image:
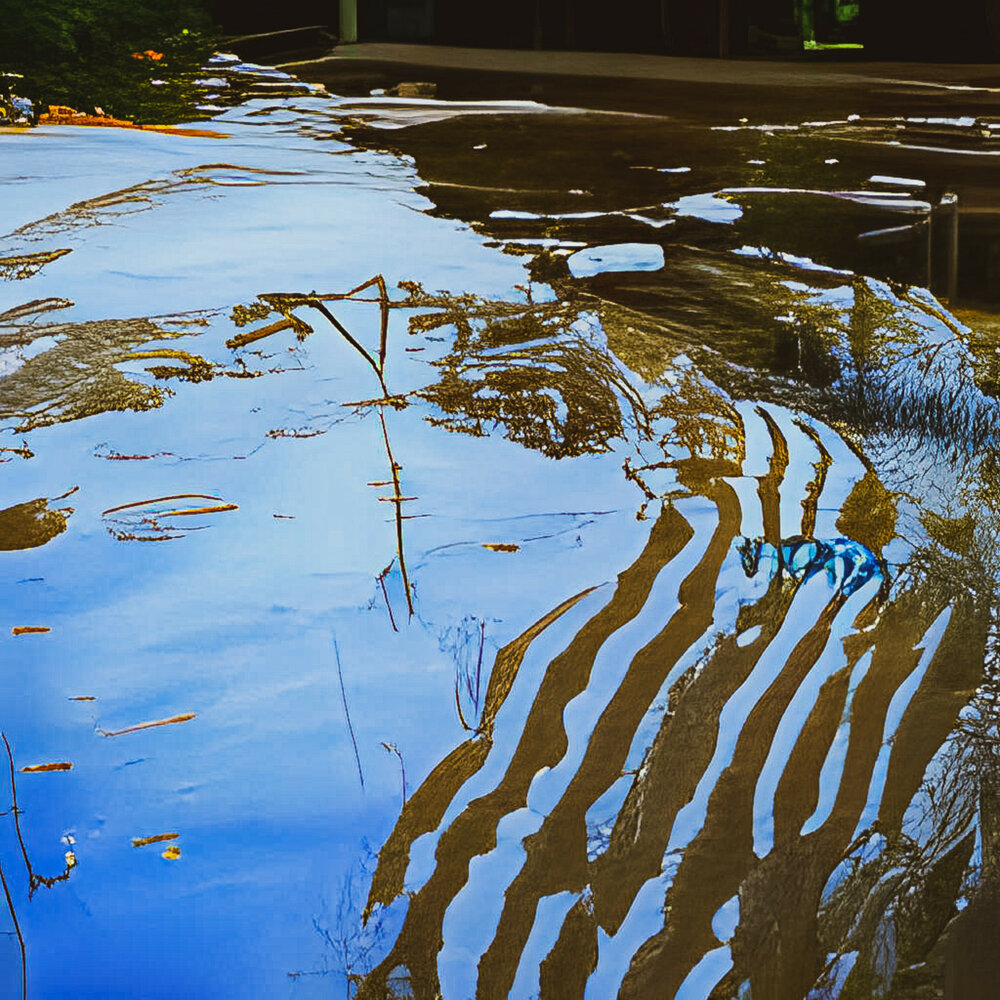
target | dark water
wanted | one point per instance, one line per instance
(601, 601)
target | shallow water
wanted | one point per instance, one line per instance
(562, 621)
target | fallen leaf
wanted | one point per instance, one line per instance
(35, 768)
(501, 547)
(172, 853)
(29, 629)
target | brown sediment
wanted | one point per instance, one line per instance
(769, 913)
(149, 725)
(952, 675)
(680, 752)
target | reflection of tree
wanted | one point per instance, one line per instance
(539, 370)
(894, 883)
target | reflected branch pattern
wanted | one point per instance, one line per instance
(285, 305)
(763, 797)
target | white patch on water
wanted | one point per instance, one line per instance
(616, 257)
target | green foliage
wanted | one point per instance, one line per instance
(79, 52)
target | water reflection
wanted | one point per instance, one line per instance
(743, 744)
(758, 749)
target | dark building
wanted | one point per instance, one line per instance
(885, 29)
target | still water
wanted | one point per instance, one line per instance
(496, 550)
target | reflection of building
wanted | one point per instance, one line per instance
(895, 29)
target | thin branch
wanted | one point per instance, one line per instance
(20, 937)
(347, 712)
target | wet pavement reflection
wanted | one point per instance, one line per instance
(580, 571)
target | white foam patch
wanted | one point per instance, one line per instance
(616, 257)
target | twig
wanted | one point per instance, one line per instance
(138, 727)
(347, 712)
(34, 879)
(392, 748)
(397, 490)
(17, 816)
(20, 937)
(385, 594)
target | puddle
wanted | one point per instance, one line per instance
(568, 553)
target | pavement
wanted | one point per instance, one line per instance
(681, 86)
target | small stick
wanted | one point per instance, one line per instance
(17, 817)
(347, 713)
(392, 748)
(385, 594)
(143, 503)
(20, 937)
(149, 725)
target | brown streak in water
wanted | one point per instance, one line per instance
(29, 629)
(242, 339)
(676, 761)
(149, 725)
(768, 485)
(719, 858)
(385, 595)
(814, 488)
(426, 807)
(38, 768)
(157, 839)
(769, 913)
(200, 510)
(84, 697)
(564, 971)
(34, 880)
(543, 743)
(557, 854)
(144, 503)
(952, 675)
(501, 547)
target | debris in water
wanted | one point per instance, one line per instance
(149, 725)
(29, 629)
(159, 838)
(38, 768)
